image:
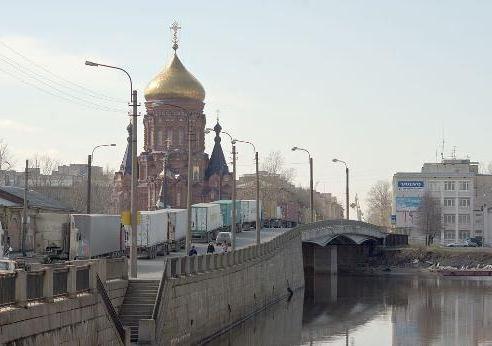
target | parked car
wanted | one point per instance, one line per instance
(224, 237)
(7, 266)
(478, 240)
(465, 243)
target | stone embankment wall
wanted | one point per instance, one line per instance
(203, 296)
(76, 319)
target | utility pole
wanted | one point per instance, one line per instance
(24, 211)
(89, 182)
(188, 191)
(133, 248)
(311, 187)
(258, 226)
(233, 229)
(347, 192)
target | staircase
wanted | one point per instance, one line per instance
(138, 304)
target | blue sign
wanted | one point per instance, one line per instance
(408, 203)
(411, 184)
(393, 219)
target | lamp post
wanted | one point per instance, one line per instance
(347, 214)
(310, 180)
(233, 197)
(90, 158)
(257, 191)
(133, 213)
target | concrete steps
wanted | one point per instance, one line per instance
(138, 304)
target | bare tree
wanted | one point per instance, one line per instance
(379, 204)
(6, 161)
(429, 217)
(42, 168)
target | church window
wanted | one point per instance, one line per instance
(178, 199)
(196, 173)
(170, 136)
(159, 138)
(181, 136)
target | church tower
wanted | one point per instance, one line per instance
(174, 102)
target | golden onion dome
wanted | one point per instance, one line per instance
(174, 82)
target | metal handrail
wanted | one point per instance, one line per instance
(155, 311)
(110, 308)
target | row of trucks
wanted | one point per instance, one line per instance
(158, 232)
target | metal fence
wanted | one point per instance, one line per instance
(35, 285)
(60, 280)
(82, 283)
(7, 289)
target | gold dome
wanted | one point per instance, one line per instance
(174, 82)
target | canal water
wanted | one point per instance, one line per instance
(356, 310)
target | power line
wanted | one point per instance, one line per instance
(81, 88)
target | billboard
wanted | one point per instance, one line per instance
(411, 184)
(408, 203)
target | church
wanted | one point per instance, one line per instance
(174, 104)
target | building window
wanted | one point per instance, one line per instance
(196, 173)
(464, 219)
(449, 202)
(449, 219)
(449, 185)
(170, 136)
(464, 202)
(181, 136)
(464, 185)
(464, 235)
(449, 235)
(159, 138)
(478, 232)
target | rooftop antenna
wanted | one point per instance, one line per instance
(442, 146)
(454, 153)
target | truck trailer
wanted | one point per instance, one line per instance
(95, 235)
(226, 214)
(248, 214)
(206, 221)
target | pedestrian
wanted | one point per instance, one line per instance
(224, 247)
(192, 251)
(211, 248)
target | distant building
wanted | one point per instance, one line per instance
(462, 192)
(47, 223)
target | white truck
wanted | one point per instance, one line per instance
(248, 214)
(95, 235)
(206, 221)
(159, 230)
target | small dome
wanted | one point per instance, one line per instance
(174, 82)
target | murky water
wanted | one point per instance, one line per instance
(375, 311)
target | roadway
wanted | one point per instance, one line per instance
(152, 268)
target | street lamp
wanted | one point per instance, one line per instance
(233, 226)
(89, 173)
(257, 191)
(310, 179)
(133, 212)
(346, 186)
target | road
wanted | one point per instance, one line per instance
(152, 269)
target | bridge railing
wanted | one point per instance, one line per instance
(46, 282)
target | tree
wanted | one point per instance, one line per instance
(429, 217)
(6, 161)
(379, 201)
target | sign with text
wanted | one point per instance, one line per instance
(411, 184)
(408, 203)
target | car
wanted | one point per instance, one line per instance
(457, 244)
(478, 240)
(224, 237)
(7, 266)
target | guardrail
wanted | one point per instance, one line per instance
(111, 310)
(46, 282)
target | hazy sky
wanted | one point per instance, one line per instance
(374, 83)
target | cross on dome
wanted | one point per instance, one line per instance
(175, 27)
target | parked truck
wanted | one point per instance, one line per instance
(248, 214)
(206, 221)
(95, 235)
(159, 231)
(226, 214)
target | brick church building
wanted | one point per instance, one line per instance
(172, 98)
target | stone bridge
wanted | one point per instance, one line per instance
(332, 245)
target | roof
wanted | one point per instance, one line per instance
(217, 163)
(12, 196)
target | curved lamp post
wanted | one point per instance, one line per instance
(310, 180)
(90, 158)
(347, 214)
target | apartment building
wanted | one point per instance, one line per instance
(463, 195)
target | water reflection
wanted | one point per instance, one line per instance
(375, 311)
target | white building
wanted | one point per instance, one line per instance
(463, 194)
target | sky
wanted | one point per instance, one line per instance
(378, 84)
